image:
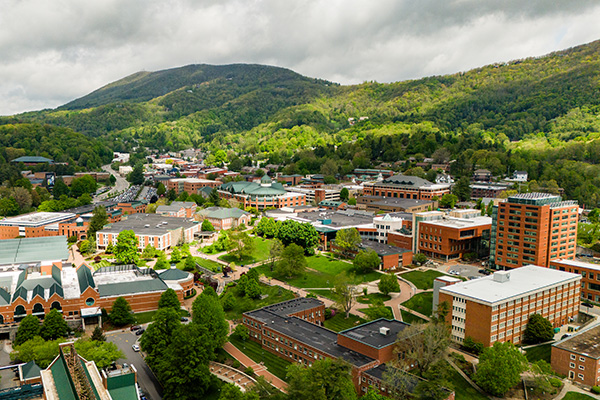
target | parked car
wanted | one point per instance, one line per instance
(135, 347)
(184, 319)
(135, 327)
(140, 331)
(588, 305)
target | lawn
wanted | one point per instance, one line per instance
(378, 312)
(577, 396)
(203, 262)
(421, 303)
(276, 365)
(462, 388)
(275, 294)
(339, 322)
(422, 279)
(322, 273)
(323, 292)
(260, 253)
(373, 297)
(410, 318)
(144, 317)
(539, 353)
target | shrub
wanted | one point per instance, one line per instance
(249, 371)
(596, 389)
(472, 346)
(327, 313)
(555, 382)
(236, 364)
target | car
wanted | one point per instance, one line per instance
(139, 331)
(566, 335)
(453, 272)
(135, 327)
(184, 319)
(135, 347)
(588, 305)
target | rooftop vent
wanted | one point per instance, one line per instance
(147, 226)
(384, 331)
(502, 276)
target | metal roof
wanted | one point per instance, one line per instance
(30, 250)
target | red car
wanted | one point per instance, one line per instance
(135, 327)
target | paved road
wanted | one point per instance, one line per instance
(120, 185)
(146, 378)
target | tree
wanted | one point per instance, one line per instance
(171, 195)
(232, 392)
(325, 379)
(420, 258)
(472, 346)
(149, 251)
(345, 292)
(98, 335)
(213, 197)
(347, 240)
(500, 368)
(54, 326)
(242, 244)
(175, 255)
(366, 261)
(448, 201)
(373, 394)
(120, 314)
(82, 185)
(594, 215)
(8, 207)
(267, 227)
(36, 349)
(207, 226)
(242, 331)
(136, 176)
(190, 264)
(344, 194)
(422, 345)
(303, 234)
(159, 333)
(538, 330)
(292, 262)
(228, 301)
(28, 329)
(126, 250)
(388, 283)
(102, 353)
(97, 222)
(253, 289)
(161, 190)
(169, 299)
(352, 201)
(208, 313)
(60, 188)
(275, 250)
(462, 189)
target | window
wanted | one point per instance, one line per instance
(572, 365)
(581, 359)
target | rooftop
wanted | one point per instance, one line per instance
(382, 249)
(36, 219)
(32, 159)
(33, 250)
(293, 306)
(521, 281)
(403, 203)
(459, 223)
(370, 333)
(149, 224)
(577, 263)
(586, 343)
(338, 219)
(534, 198)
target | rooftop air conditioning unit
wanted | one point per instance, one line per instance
(384, 331)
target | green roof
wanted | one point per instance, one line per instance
(224, 213)
(30, 370)
(32, 159)
(84, 275)
(30, 250)
(173, 274)
(122, 387)
(4, 297)
(124, 288)
(62, 381)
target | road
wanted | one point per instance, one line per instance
(146, 378)
(120, 185)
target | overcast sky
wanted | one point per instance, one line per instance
(52, 52)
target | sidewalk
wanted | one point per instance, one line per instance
(258, 368)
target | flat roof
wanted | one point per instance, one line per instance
(395, 201)
(138, 223)
(577, 263)
(36, 219)
(522, 281)
(586, 343)
(382, 249)
(338, 219)
(33, 250)
(293, 306)
(370, 335)
(454, 222)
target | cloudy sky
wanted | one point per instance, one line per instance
(54, 51)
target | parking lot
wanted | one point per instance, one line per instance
(466, 271)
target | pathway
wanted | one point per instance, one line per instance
(570, 387)
(231, 375)
(259, 368)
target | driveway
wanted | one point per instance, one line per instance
(146, 379)
(8, 376)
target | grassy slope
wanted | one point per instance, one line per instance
(421, 302)
(422, 279)
(275, 294)
(276, 365)
(260, 253)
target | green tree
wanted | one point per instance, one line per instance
(242, 331)
(102, 353)
(190, 264)
(228, 301)
(136, 177)
(208, 313)
(538, 330)
(97, 222)
(448, 201)
(242, 244)
(303, 234)
(175, 255)
(161, 190)
(423, 345)
(82, 185)
(60, 188)
(462, 189)
(169, 299)
(594, 215)
(275, 250)
(120, 314)
(325, 379)
(28, 329)
(345, 292)
(253, 289)
(214, 197)
(352, 201)
(8, 207)
(159, 334)
(54, 326)
(344, 194)
(149, 251)
(207, 226)
(126, 250)
(420, 258)
(373, 394)
(267, 227)
(36, 349)
(292, 262)
(388, 283)
(347, 240)
(500, 368)
(366, 261)
(232, 392)
(98, 335)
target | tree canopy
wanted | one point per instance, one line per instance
(207, 313)
(538, 330)
(126, 249)
(292, 261)
(121, 314)
(500, 368)
(325, 379)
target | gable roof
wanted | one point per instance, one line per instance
(224, 213)
(173, 274)
(30, 370)
(85, 278)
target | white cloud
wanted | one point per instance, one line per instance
(53, 52)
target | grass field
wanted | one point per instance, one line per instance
(378, 312)
(322, 273)
(422, 279)
(577, 396)
(410, 318)
(143, 317)
(421, 303)
(203, 262)
(323, 292)
(373, 297)
(276, 365)
(462, 388)
(339, 322)
(275, 294)
(260, 253)
(539, 353)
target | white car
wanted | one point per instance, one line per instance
(135, 347)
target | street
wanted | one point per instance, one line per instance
(146, 379)
(120, 185)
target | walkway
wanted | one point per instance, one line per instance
(259, 369)
(231, 375)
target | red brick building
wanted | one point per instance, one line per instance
(533, 228)
(497, 308)
(590, 276)
(190, 185)
(406, 187)
(578, 357)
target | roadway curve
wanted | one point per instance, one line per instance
(120, 185)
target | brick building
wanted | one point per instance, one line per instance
(386, 204)
(223, 218)
(266, 194)
(132, 207)
(488, 190)
(497, 307)
(36, 224)
(181, 209)
(190, 185)
(450, 236)
(590, 276)
(406, 187)
(533, 228)
(578, 357)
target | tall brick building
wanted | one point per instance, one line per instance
(406, 187)
(496, 308)
(533, 228)
(590, 276)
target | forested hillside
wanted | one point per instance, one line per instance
(537, 114)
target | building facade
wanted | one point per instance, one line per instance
(578, 357)
(265, 194)
(406, 187)
(590, 276)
